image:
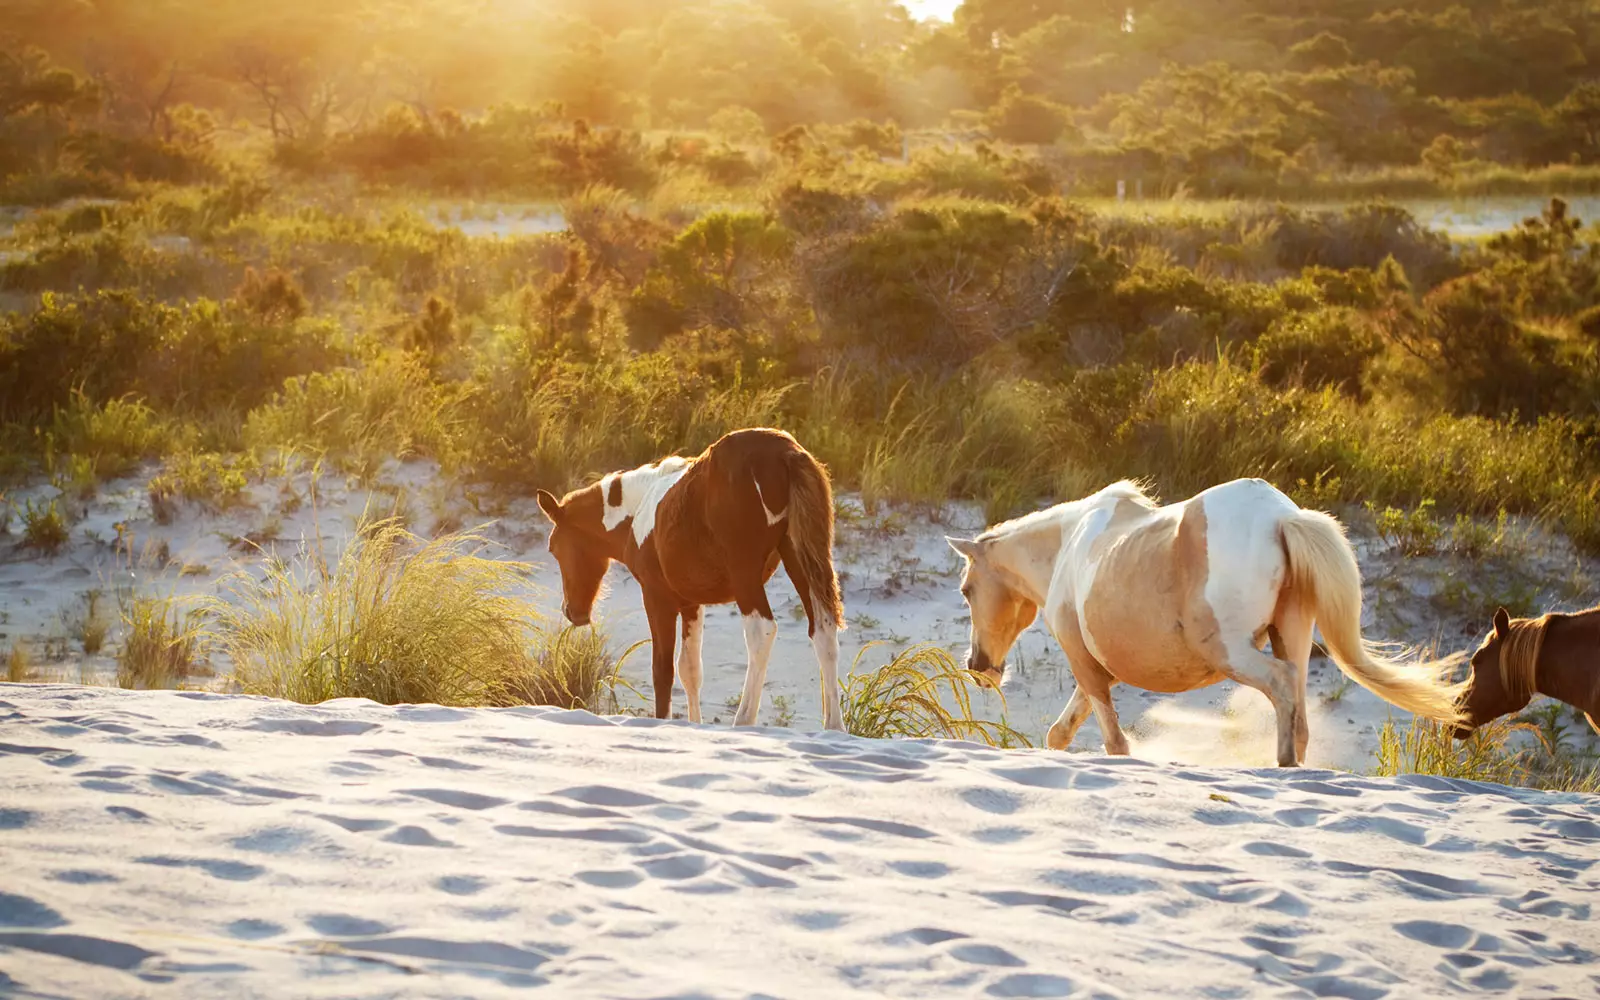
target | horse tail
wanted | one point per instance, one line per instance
(811, 533)
(1322, 566)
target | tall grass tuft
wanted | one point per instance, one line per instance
(44, 527)
(397, 619)
(922, 692)
(160, 643)
(1427, 747)
(570, 668)
(17, 663)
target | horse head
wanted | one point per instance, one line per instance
(999, 612)
(577, 540)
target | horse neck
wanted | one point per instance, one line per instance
(1027, 555)
(1569, 662)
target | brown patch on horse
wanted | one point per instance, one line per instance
(1146, 610)
(614, 494)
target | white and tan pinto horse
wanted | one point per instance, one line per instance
(1180, 597)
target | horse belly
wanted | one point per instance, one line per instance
(1149, 654)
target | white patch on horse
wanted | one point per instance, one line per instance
(642, 491)
(771, 517)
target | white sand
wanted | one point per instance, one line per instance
(900, 587)
(191, 844)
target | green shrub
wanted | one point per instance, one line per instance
(114, 437)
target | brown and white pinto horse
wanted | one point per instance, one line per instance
(709, 530)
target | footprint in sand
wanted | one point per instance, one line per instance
(229, 871)
(20, 911)
(343, 925)
(456, 798)
(416, 836)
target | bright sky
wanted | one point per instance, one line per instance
(941, 9)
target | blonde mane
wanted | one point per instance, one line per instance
(1124, 489)
(1519, 655)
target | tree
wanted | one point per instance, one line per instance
(1026, 118)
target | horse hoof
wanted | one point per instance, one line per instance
(1056, 740)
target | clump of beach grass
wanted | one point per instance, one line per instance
(1489, 754)
(922, 692)
(395, 618)
(160, 642)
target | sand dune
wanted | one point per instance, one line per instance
(193, 844)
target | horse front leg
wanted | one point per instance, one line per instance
(663, 617)
(689, 666)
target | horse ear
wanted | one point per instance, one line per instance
(964, 546)
(1502, 622)
(550, 505)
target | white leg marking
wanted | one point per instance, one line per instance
(759, 634)
(689, 662)
(825, 640)
(771, 517)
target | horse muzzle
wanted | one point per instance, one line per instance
(576, 620)
(986, 673)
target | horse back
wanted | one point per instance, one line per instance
(713, 522)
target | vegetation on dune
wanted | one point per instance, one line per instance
(403, 620)
(160, 642)
(895, 239)
(1506, 751)
(920, 693)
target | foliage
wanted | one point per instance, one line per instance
(1489, 754)
(569, 668)
(44, 526)
(160, 642)
(1414, 533)
(394, 618)
(920, 693)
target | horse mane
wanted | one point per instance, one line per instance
(1519, 654)
(1131, 489)
(1123, 489)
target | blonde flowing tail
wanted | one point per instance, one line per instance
(1322, 565)
(811, 533)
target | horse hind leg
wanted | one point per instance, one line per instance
(824, 639)
(1290, 635)
(1241, 661)
(759, 633)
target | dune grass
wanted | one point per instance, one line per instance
(921, 693)
(160, 642)
(395, 618)
(18, 663)
(401, 619)
(570, 668)
(1489, 754)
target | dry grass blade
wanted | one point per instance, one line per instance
(921, 692)
(397, 619)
